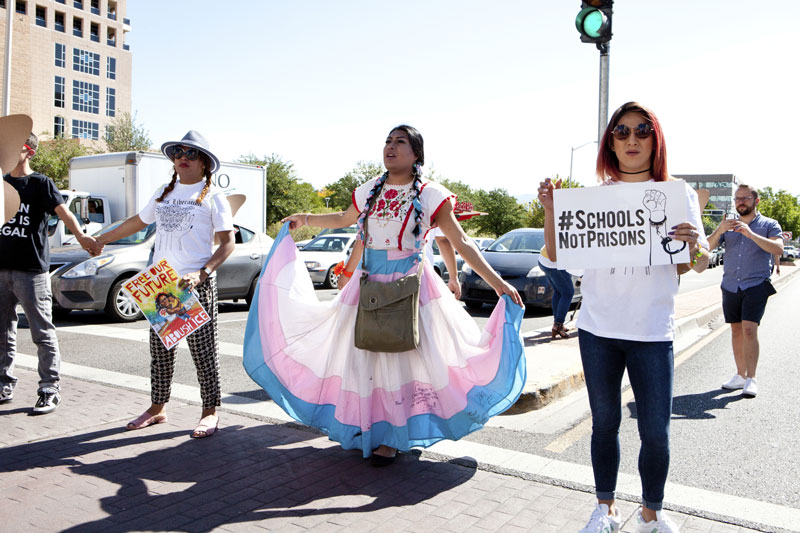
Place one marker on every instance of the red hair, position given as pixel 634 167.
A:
pixel 607 162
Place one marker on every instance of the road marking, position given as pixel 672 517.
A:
pixel 698 502
pixel 140 335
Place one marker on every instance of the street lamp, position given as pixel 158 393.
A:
pixel 572 151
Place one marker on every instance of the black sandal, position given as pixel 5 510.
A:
pixel 559 329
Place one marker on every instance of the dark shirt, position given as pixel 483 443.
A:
pixel 746 264
pixel 23 239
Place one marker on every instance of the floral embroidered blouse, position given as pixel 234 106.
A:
pixel 391 219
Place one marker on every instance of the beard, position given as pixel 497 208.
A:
pixel 745 210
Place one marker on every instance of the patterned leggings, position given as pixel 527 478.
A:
pixel 204 347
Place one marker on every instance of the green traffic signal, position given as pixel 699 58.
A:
pixel 594 21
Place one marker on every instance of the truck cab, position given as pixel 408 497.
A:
pixel 92 211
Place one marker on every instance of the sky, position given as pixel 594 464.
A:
pixel 502 91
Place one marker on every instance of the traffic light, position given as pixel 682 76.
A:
pixel 594 21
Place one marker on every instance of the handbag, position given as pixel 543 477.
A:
pixel 387 319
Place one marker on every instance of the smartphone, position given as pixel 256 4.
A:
pixel 731 216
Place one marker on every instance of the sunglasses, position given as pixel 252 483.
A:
pixel 622 132
pixel 190 153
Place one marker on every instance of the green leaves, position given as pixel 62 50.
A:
pixel 52 158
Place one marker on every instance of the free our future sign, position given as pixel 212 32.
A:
pixel 620 225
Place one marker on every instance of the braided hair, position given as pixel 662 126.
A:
pixel 418 147
pixel 206 172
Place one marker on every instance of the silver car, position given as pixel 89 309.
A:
pixel 95 283
pixel 323 253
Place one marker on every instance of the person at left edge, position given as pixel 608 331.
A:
pixel 189 214
pixel 25 277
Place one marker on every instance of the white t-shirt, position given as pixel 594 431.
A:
pixel 184 230
pixel 635 303
pixel 391 220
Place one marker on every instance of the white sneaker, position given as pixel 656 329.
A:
pixel 736 382
pixel 602 522
pixel 662 524
pixel 750 388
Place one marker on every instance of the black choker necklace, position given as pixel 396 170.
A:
pixel 640 172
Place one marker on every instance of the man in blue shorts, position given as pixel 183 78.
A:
pixel 750 244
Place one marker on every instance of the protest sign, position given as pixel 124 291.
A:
pixel 173 312
pixel 620 225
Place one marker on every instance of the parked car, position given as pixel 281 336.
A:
pixel 515 257
pixel 791 252
pixel 483 242
pixel 327 231
pixel 323 252
pixel 95 283
pixel 439 265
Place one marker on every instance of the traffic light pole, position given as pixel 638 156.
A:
pixel 602 115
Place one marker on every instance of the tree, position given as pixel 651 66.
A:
pixel 781 206
pixel 340 191
pixel 286 194
pixel 535 211
pixel 505 213
pixel 53 156
pixel 124 135
pixel 465 193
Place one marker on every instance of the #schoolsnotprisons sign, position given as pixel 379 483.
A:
pixel 620 225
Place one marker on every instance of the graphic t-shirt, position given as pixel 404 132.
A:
pixel 23 239
pixel 391 219
pixel 185 230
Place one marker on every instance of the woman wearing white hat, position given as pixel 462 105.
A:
pixel 189 216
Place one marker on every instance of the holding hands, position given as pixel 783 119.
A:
pixel 90 244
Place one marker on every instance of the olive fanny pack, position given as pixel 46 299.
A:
pixel 387 319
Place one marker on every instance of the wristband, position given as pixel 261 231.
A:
pixel 347 274
pixel 306 222
pixel 697 256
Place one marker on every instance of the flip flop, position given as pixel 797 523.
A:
pixel 205 429
pixel 144 420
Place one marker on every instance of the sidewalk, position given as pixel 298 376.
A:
pixel 557 363
pixel 78 470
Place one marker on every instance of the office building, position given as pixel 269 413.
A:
pixel 721 187
pixel 70 66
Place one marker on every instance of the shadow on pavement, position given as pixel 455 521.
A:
pixel 241 474
pixel 697 406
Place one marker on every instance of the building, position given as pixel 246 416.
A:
pixel 721 187
pixel 70 66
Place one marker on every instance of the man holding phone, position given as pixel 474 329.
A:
pixel 751 241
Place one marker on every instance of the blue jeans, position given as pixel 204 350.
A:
pixel 650 369
pixel 563 291
pixel 32 291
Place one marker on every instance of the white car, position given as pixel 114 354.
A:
pixel 327 231
pixel 323 253
pixel 790 252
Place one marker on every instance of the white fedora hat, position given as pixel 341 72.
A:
pixel 194 140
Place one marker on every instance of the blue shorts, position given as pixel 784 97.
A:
pixel 748 304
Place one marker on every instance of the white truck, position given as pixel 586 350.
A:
pixel 109 187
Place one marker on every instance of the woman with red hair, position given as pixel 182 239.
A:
pixel 626 322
